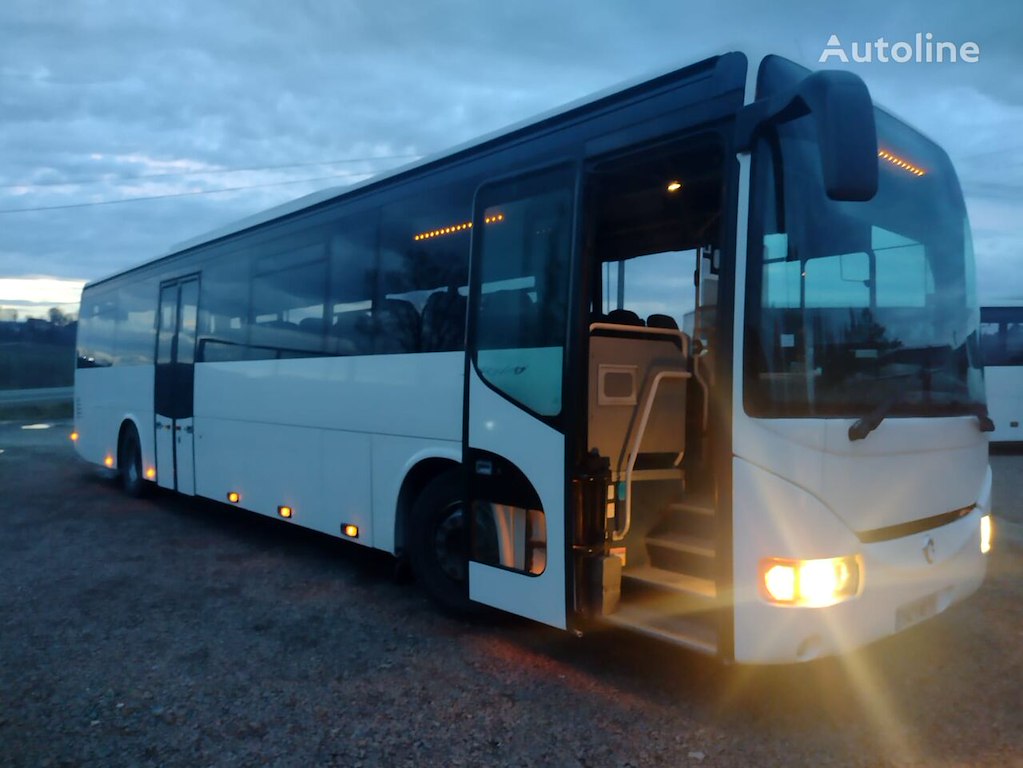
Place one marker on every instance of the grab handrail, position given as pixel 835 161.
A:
pixel 637 441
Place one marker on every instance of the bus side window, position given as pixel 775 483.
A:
pixel 351 284
pixel 287 288
pixel 443 321
pixel 97 329
pixel 224 309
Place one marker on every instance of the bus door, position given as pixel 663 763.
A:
pixel 515 431
pixel 175 374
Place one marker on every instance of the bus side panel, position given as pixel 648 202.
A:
pixel 393 459
pixel 407 395
pixel 104 398
pixel 331 437
pixel 1005 401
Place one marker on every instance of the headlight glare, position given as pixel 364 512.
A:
pixel 814 583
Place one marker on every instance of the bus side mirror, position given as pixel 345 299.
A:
pixel 839 105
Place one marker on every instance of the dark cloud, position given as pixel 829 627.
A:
pixel 95 94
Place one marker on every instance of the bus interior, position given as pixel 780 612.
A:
pixel 655 234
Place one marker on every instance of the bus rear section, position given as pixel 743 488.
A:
pixel 1001 342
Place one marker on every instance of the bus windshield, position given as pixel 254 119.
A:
pixel 852 306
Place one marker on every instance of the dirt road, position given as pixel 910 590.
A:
pixel 170 632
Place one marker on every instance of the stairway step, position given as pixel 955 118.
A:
pixel 638 475
pixel 680 542
pixel 678 630
pixel 691 508
pixel 679 582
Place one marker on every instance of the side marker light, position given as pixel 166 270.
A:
pixel 987 533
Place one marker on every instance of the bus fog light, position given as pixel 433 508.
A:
pixel 816 583
pixel 987 533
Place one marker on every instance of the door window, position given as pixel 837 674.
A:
pixel 521 310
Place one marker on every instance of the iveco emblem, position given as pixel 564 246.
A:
pixel 929 550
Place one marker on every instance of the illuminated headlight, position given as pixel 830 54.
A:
pixel 987 533
pixel 816 583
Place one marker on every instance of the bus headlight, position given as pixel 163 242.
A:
pixel 815 583
pixel 987 533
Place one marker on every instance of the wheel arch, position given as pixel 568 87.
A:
pixel 420 473
pixel 128 421
pixel 131 420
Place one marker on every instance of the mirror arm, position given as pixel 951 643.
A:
pixel 764 113
pixel 844 120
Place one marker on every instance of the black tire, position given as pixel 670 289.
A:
pixel 437 544
pixel 129 463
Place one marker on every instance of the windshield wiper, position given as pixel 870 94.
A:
pixel 864 425
pixel 984 422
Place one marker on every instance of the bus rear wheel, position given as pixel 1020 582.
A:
pixel 437 543
pixel 129 463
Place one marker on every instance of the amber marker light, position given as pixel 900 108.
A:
pixel 987 534
pixel 455 228
pixel 351 531
pixel 74 437
pixel 674 186
pixel 899 162
pixel 234 497
pixel 151 473
pixel 285 511
pixel 109 461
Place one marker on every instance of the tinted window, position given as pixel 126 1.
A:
pixel 423 270
pixel 288 295
pixel 521 316
pixel 136 323
pixel 224 310
pixel 97 328
pixel 1001 336
pixel 352 245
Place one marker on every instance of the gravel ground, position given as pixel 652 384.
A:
pixel 168 632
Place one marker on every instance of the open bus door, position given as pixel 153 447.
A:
pixel 514 437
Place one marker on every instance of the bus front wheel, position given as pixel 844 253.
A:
pixel 129 463
pixel 437 543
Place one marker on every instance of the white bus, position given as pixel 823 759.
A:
pixel 696 358
pixel 1001 344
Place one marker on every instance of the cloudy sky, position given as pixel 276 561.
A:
pixel 121 120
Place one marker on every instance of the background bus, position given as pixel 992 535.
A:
pixel 1001 341
pixel 476 363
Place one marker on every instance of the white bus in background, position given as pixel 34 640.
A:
pixel 695 358
pixel 1001 344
